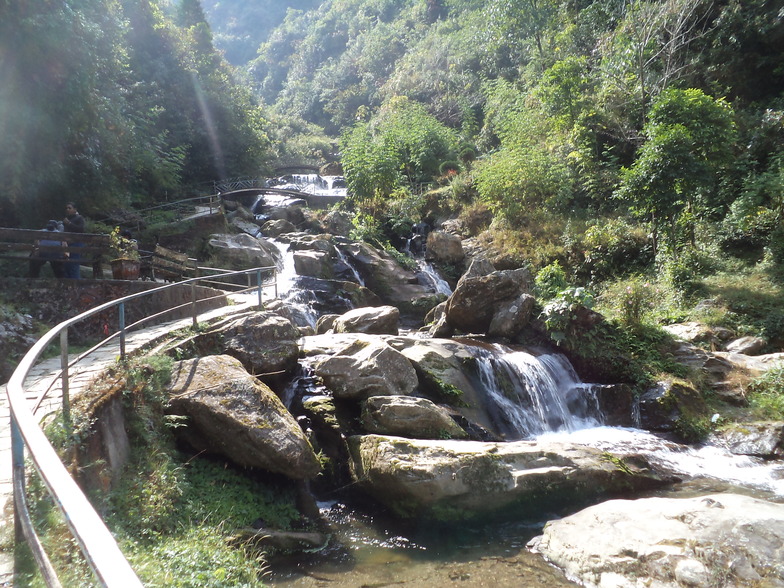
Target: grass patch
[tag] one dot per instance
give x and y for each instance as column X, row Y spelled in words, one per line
column 176, row 516
column 766, row 395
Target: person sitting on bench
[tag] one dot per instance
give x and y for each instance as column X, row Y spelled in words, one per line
column 53, row 256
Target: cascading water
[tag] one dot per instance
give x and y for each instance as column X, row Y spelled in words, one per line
column 430, row 277
column 344, row 261
column 530, row 395
column 315, row 184
column 301, row 300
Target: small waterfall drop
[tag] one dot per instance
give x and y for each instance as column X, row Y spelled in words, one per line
column 352, row 270
column 430, row 277
column 301, row 300
column 532, row 395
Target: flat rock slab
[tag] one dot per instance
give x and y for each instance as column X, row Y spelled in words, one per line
column 717, row 540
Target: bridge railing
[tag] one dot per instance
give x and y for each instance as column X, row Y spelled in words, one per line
column 93, row 537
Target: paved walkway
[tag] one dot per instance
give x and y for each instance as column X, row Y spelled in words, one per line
column 43, row 380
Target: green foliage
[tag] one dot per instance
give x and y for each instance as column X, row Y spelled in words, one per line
column 766, row 394
column 176, row 517
column 610, row 247
column 559, row 313
column 370, row 165
column 550, row 281
column 684, row 270
column 690, row 136
column 632, row 300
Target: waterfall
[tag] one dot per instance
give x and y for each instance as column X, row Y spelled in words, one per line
column 531, row 395
column 314, row 184
column 300, row 300
column 429, row 277
column 345, row 261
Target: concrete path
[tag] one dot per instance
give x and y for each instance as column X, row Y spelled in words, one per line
column 43, row 381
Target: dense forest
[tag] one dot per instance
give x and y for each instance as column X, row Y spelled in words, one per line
column 598, row 138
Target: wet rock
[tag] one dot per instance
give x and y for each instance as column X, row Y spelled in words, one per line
column 367, row 368
column 463, row 479
column 409, row 417
column 763, row 439
column 286, row 541
column 233, row 414
column 392, row 283
column 673, row 407
column 275, row 228
column 670, row 543
column 316, row 264
column 241, row 251
column 325, row 323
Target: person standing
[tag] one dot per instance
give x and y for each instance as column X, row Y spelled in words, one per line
column 73, row 223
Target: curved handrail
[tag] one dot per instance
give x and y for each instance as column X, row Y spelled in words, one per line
column 95, row 540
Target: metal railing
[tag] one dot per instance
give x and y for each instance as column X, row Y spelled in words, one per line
column 95, row 540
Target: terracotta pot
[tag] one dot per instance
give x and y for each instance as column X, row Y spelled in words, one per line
column 125, row 269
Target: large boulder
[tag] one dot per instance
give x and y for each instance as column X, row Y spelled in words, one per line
column 447, row 375
column 275, row 228
column 367, row 368
column 233, row 414
column 264, row 342
column 673, row 406
column 242, row 251
column 379, row 320
column 717, row 540
column 463, row 479
column 746, row 345
column 392, row 283
column 405, row 416
column 511, row 316
column 316, row 264
column 479, row 299
column 444, row 248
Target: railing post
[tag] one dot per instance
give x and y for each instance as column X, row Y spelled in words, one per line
column 121, row 321
column 258, row 283
column 193, row 305
column 64, row 378
column 17, row 473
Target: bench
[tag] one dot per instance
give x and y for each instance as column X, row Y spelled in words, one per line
column 21, row 244
column 165, row 264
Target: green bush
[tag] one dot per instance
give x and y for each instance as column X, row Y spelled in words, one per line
column 550, row 281
column 631, row 300
column 614, row 248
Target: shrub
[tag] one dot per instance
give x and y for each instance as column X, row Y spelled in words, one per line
column 631, row 300
column 615, row 248
column 550, row 281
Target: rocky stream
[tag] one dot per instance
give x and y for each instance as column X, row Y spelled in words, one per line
column 443, row 443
